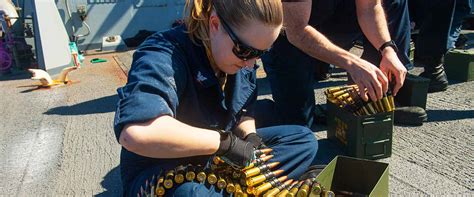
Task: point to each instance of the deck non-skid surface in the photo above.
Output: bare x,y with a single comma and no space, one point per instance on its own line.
60,141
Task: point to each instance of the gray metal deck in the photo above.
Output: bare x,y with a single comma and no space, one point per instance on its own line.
60,141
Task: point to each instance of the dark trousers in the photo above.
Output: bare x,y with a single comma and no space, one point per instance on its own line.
290,71
439,22
293,146
434,18
461,10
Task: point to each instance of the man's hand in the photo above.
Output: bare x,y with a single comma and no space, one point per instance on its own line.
235,151
366,75
391,65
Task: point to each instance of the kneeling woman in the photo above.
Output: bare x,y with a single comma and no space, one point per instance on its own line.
189,82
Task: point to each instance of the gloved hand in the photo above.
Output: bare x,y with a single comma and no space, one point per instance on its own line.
234,151
256,140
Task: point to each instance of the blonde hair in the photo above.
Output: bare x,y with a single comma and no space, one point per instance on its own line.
236,13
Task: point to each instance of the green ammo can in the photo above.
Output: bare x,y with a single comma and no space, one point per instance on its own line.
347,176
414,91
368,137
459,65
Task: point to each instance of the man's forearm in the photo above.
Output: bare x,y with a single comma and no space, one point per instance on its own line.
371,17
318,46
309,40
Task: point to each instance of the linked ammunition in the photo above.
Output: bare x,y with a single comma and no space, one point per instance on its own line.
386,104
261,178
272,192
294,189
243,181
391,99
230,188
276,190
251,165
224,171
190,174
201,175
316,188
236,174
238,190
391,102
347,97
367,108
168,184
343,97
217,160
262,151
256,170
332,100
250,189
378,104
179,177
285,190
259,161
336,89
212,178
351,106
266,186
159,189
304,189
221,183
359,103
339,93
370,108
343,91
214,167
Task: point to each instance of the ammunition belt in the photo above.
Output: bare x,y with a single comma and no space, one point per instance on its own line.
257,179
347,97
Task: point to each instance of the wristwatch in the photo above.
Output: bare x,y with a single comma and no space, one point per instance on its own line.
390,43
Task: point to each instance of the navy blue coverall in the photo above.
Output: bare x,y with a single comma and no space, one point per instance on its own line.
439,22
171,75
290,70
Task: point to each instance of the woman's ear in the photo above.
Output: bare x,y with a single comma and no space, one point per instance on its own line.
213,24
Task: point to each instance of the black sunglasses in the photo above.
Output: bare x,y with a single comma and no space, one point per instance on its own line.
241,50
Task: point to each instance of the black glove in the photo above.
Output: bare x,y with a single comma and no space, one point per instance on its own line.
234,151
256,140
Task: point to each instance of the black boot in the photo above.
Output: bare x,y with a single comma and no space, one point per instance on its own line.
322,72
409,115
435,72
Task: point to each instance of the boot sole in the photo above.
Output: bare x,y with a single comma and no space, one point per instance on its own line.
410,120
418,121
441,87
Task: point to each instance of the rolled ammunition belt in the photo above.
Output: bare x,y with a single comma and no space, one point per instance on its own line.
261,178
